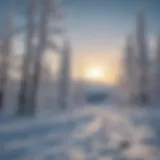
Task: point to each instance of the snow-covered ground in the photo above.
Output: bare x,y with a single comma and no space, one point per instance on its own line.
103,132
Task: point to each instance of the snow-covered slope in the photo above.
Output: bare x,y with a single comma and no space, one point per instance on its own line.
91,133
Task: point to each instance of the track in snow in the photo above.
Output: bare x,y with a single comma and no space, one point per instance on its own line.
91,133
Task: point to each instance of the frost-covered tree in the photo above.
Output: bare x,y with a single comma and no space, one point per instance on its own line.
22,99
40,49
157,73
130,70
65,76
142,57
5,54
48,27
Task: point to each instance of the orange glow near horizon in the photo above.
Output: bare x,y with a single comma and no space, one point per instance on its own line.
85,63
101,68
94,73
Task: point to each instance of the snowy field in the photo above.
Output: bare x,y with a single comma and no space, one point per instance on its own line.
91,133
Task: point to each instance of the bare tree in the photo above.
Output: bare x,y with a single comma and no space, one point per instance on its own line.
27,57
5,55
43,30
142,58
130,69
157,74
64,76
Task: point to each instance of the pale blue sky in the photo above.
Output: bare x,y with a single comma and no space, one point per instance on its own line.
97,29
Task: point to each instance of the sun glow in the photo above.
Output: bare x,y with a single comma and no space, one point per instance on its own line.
95,73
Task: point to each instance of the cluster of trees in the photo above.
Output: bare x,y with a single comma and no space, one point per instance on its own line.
138,69
41,19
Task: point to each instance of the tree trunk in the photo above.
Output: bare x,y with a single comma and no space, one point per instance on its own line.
39,55
22,106
6,50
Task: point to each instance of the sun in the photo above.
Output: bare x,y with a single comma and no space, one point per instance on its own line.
95,73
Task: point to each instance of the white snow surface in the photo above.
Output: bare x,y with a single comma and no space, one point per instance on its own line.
89,133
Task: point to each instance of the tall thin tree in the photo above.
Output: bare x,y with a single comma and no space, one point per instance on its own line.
130,68
142,58
157,73
5,55
43,30
64,76
27,57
